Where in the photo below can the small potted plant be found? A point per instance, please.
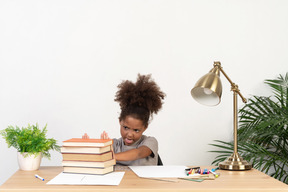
(31, 144)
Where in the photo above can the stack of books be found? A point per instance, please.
(88, 156)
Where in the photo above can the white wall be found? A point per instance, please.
(61, 60)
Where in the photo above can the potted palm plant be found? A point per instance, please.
(31, 144)
(263, 132)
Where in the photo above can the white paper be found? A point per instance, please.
(113, 178)
(159, 171)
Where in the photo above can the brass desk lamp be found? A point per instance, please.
(208, 91)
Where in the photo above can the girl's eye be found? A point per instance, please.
(137, 130)
(125, 127)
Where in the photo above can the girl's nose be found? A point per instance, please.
(129, 133)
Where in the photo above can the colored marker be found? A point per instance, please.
(215, 174)
(187, 171)
(193, 171)
(37, 176)
(201, 171)
(214, 169)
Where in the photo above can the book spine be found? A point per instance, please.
(87, 157)
(92, 150)
(81, 170)
(89, 163)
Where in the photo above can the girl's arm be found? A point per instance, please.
(133, 154)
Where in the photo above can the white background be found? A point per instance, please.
(61, 62)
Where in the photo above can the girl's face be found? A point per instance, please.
(131, 130)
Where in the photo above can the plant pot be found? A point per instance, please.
(29, 163)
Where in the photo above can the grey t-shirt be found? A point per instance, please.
(150, 142)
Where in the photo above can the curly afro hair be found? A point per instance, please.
(140, 99)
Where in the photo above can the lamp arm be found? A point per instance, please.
(236, 92)
(234, 87)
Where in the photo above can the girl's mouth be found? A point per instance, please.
(128, 141)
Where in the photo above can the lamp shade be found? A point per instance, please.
(208, 89)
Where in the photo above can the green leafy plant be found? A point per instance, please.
(263, 132)
(30, 139)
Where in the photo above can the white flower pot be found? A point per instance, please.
(29, 163)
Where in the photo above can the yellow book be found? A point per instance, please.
(89, 163)
(87, 157)
(96, 150)
(88, 170)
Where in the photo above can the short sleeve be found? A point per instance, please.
(152, 144)
(117, 145)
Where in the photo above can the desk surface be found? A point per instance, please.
(252, 180)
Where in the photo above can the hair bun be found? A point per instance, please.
(144, 93)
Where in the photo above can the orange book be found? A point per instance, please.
(88, 142)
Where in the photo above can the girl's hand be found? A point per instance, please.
(85, 136)
(104, 135)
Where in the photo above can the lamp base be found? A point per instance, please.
(235, 163)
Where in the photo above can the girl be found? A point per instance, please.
(138, 102)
